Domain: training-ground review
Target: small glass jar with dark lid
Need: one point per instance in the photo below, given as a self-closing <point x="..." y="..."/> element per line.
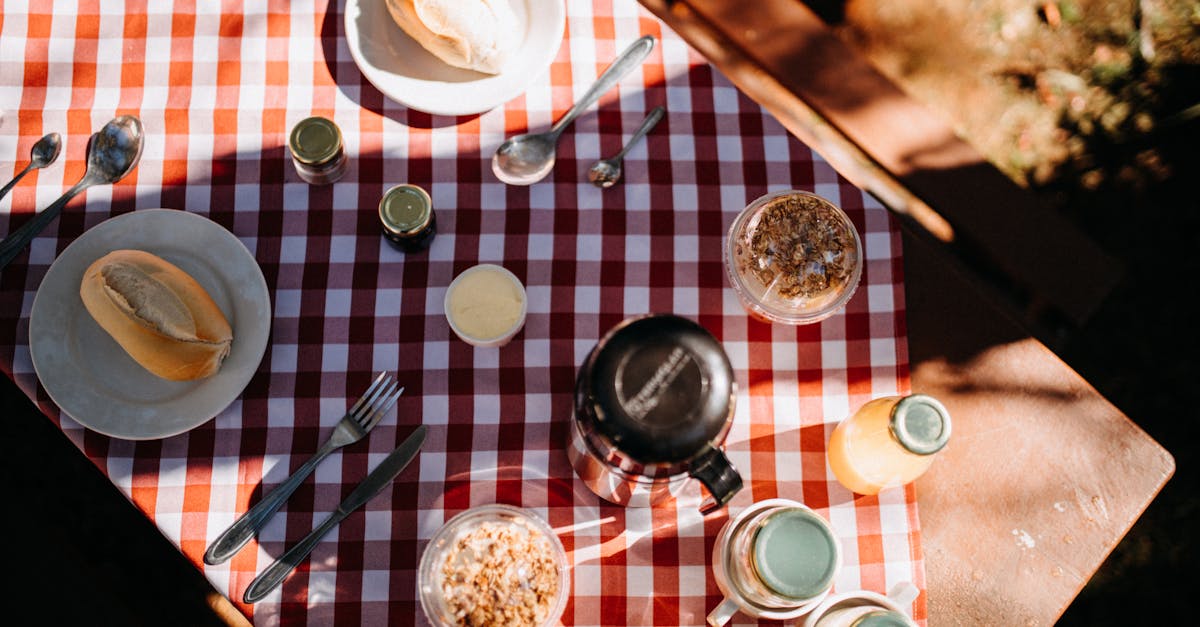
<point x="317" y="152"/>
<point x="407" y="219"/>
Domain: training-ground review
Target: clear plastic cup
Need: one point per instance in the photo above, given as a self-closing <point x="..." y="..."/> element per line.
<point x="496" y="528"/>
<point x="478" y="303"/>
<point x="793" y="258"/>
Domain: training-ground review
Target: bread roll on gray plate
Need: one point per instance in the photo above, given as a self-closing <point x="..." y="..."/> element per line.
<point x="477" y="35"/>
<point x="158" y="313"/>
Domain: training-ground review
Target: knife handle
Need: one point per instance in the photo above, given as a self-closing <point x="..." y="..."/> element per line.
<point x="279" y="570"/>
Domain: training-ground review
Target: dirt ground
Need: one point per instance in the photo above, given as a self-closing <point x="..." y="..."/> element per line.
<point x="1095" y="106"/>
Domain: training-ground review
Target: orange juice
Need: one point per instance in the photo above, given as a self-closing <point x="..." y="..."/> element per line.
<point x="888" y="442"/>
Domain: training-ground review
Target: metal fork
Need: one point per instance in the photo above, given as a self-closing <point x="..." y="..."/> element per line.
<point x="361" y="418"/>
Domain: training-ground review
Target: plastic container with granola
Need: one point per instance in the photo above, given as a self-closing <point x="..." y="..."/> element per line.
<point x="793" y="257"/>
<point x="494" y="566"/>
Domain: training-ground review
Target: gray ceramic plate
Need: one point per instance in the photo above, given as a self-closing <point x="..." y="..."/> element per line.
<point x="90" y="376"/>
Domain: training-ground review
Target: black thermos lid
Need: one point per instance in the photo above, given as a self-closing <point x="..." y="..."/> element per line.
<point x="659" y="388"/>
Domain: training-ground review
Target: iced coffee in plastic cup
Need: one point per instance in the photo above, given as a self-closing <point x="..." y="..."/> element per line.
<point x="793" y="258"/>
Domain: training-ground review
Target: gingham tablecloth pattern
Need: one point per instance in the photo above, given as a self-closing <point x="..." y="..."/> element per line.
<point x="218" y="87"/>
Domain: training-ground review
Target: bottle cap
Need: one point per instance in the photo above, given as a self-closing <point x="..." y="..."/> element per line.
<point x="405" y="210"/>
<point x="882" y="618"/>
<point x="315" y="141"/>
<point x="921" y="424"/>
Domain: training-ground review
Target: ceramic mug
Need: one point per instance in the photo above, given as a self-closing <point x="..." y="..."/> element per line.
<point x="775" y="560"/>
<point x="844" y="609"/>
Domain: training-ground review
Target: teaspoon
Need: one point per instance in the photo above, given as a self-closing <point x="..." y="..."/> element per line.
<point x="44" y="152"/>
<point x="606" y="172"/>
<point x="112" y="154"/>
<point x="526" y="159"/>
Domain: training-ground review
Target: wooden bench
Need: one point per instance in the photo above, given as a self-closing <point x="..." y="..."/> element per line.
<point x="1029" y="260"/>
<point x="1043" y="476"/>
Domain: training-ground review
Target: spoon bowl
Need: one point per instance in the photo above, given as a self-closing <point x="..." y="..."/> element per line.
<point x="43" y="153"/>
<point x="115" y="150"/>
<point x="525" y="159"/>
<point x="112" y="153"/>
<point x="605" y="173"/>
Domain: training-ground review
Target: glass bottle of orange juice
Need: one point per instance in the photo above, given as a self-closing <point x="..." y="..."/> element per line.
<point x="888" y="442"/>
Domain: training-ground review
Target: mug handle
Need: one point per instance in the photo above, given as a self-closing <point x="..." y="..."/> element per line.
<point x="722" y="613"/>
<point x="903" y="593"/>
<point x="720" y="477"/>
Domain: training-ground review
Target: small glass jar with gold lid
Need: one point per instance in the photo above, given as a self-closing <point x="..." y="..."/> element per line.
<point x="317" y="151"/>
<point x="407" y="219"/>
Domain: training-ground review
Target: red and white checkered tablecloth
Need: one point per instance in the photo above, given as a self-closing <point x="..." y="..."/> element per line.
<point x="218" y="87"/>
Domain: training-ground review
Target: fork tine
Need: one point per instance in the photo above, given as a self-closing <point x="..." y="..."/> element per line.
<point x="382" y="409"/>
<point x="366" y="396"/>
<point x="364" y="413"/>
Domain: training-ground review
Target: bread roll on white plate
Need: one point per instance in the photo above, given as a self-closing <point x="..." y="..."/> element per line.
<point x="474" y="34"/>
<point x="158" y="313"/>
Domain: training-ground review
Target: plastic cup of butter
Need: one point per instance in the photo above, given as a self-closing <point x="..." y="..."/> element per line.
<point x="486" y="305"/>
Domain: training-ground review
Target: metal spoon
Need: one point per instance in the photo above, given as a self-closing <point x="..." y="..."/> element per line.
<point x="44" y="152"/>
<point x="112" y="154"/>
<point x="606" y="172"/>
<point x="526" y="159"/>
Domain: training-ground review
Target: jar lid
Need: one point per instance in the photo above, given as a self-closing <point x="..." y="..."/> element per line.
<point x="882" y="618"/>
<point x="921" y="424"/>
<point x="405" y="210"/>
<point x="660" y="389"/>
<point x="315" y="140"/>
<point x="795" y="553"/>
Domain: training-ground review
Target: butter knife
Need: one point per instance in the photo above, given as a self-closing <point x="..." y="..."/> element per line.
<point x="375" y="482"/>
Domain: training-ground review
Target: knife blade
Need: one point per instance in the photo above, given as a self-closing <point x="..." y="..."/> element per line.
<point x="385" y="472"/>
<point x="380" y="477"/>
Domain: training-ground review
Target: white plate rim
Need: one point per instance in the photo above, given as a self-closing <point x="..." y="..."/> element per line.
<point x="232" y="380"/>
<point x="393" y="87"/>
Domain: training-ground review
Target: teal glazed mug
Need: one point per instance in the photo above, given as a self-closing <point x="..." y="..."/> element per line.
<point x="775" y="560"/>
<point x="863" y="608"/>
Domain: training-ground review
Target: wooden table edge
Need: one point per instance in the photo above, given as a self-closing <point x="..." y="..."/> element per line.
<point x="921" y="221"/>
<point x="786" y="59"/>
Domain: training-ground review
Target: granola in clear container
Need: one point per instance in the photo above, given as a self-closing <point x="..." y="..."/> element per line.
<point x="494" y="565"/>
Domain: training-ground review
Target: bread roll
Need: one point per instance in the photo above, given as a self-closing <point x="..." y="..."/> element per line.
<point x="158" y="313"/>
<point x="474" y="34"/>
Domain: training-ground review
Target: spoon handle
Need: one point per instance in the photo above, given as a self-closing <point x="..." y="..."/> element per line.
<point x="20" y="175"/>
<point x="647" y="124"/>
<point x="629" y="59"/>
<point x="20" y="238"/>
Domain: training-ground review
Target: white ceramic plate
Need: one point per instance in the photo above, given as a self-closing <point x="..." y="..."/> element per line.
<point x="407" y="73"/>
<point x="94" y="380"/>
